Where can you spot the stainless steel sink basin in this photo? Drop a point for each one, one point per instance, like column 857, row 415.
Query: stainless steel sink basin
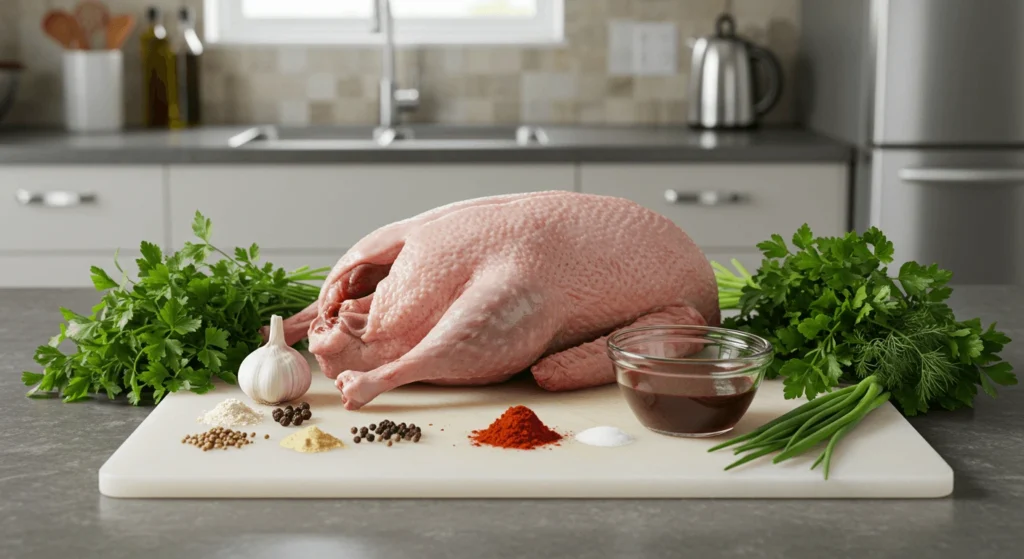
column 406, row 136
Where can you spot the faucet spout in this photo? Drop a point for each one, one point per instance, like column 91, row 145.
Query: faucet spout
column 392, row 99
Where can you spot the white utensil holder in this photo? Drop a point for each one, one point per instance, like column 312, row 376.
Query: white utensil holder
column 93, row 91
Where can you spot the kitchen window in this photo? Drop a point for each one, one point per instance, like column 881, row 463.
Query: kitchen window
column 417, row 22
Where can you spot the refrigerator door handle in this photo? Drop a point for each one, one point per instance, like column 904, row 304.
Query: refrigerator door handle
column 939, row 175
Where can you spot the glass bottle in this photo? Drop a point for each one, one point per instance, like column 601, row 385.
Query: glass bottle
column 157, row 71
column 188, row 48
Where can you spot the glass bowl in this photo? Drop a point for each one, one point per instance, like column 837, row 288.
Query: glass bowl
column 688, row 381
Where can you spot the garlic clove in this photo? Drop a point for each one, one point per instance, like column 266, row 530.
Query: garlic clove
column 274, row 373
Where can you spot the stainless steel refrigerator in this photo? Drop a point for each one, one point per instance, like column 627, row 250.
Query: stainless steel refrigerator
column 932, row 94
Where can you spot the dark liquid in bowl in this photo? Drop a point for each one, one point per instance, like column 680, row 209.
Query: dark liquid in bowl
column 704, row 409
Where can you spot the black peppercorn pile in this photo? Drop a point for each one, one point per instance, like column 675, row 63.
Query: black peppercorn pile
column 387, row 431
column 220, row 438
column 292, row 415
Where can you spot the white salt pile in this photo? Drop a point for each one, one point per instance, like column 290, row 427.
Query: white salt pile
column 604, row 436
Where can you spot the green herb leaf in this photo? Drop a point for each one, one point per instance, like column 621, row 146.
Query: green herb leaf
column 101, row 280
column 803, row 237
column 835, row 316
column 31, row 379
column 174, row 315
column 201, row 227
column 1001, row 373
column 151, row 254
column 774, row 248
column 183, row 323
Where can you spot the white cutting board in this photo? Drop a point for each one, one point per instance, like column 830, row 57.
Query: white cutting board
column 883, row 457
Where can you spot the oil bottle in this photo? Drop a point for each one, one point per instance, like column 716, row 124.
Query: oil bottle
column 157, row 72
column 188, row 49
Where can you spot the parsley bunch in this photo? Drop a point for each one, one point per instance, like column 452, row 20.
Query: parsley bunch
column 182, row 323
column 835, row 316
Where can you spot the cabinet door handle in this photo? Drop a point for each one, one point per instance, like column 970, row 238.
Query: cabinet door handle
column 962, row 175
column 704, row 198
column 54, row 198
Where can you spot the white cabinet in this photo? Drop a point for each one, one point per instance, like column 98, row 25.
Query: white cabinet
column 80, row 208
column 728, row 208
column 71, row 217
column 55, row 222
column 330, row 207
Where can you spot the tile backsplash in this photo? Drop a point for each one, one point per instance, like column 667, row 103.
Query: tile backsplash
column 567, row 83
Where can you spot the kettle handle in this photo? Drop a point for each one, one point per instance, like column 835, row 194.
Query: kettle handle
column 773, row 75
column 725, row 26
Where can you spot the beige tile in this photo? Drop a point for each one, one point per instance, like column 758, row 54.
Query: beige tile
column 619, row 111
column 355, row 111
column 321, row 112
column 290, row 60
column 349, row 86
column 674, row 112
column 293, row 112
column 619, row 86
column 547, row 85
column 321, row 86
column 276, row 87
column 506, row 113
column 660, row 88
column 592, row 112
column 648, row 112
column 503, row 88
column 536, row 112
column 459, row 84
column 476, row 111
column 565, row 112
column 532, row 60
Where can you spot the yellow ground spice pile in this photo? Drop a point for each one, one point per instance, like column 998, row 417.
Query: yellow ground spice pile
column 311, row 439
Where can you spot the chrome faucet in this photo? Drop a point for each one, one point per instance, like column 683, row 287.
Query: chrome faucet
column 393, row 100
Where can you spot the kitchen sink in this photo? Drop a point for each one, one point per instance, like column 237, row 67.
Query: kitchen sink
column 401, row 137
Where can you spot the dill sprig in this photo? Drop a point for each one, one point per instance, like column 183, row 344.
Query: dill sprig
column 835, row 316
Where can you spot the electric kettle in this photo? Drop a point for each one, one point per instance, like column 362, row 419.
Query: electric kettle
column 723, row 88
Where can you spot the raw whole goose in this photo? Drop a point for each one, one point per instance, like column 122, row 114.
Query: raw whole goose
column 476, row 291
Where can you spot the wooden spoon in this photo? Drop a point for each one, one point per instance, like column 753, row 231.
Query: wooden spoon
column 93, row 17
column 118, row 30
column 63, row 28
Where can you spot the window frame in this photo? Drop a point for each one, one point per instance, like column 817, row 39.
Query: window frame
column 225, row 24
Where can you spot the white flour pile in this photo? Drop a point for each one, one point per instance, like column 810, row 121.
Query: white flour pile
column 230, row 413
column 604, row 436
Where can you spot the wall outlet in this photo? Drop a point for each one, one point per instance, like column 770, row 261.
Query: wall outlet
column 655, row 49
column 642, row 48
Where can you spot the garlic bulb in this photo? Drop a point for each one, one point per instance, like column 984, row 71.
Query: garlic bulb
column 274, row 373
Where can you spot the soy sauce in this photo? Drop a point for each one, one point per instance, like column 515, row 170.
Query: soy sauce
column 696, row 407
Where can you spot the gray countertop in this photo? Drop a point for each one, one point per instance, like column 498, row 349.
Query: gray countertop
column 567, row 144
column 50, row 507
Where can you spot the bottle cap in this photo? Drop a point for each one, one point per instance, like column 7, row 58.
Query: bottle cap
column 153, row 14
column 186, row 14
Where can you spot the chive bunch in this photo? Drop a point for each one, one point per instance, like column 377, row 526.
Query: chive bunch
column 829, row 417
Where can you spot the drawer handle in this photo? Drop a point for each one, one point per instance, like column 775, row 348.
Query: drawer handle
column 54, row 198
column 704, row 198
column 992, row 176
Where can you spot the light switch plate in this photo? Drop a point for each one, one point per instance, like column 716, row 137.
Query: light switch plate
column 655, row 49
column 642, row 48
column 620, row 48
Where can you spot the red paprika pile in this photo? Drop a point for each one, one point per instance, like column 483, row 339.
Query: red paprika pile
column 518, row 428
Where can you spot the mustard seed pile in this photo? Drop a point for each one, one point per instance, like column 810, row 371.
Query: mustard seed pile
column 220, row 438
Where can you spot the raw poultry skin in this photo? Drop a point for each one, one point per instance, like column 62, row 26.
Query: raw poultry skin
column 474, row 292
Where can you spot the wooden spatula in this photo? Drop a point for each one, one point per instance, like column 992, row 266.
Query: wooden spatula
column 64, row 29
column 93, row 17
column 118, row 30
